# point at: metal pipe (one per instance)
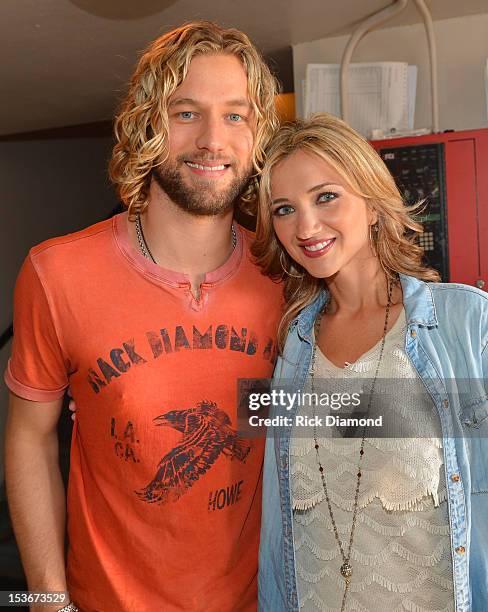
(368, 24)
(429, 30)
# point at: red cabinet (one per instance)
(456, 185)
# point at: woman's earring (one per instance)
(373, 238)
(285, 270)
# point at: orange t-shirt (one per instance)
(164, 494)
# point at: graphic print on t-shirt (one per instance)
(207, 434)
(157, 344)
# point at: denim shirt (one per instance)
(446, 339)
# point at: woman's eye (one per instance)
(327, 196)
(235, 117)
(186, 114)
(281, 211)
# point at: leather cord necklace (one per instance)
(145, 249)
(142, 240)
(346, 567)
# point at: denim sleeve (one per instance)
(484, 365)
(271, 563)
(478, 438)
(478, 562)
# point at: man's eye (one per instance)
(282, 211)
(186, 115)
(235, 117)
(327, 196)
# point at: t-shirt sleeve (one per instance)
(37, 369)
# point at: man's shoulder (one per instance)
(61, 261)
(254, 269)
(247, 237)
(82, 240)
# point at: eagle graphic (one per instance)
(207, 434)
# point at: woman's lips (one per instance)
(319, 248)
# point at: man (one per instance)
(150, 319)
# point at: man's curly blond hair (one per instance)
(141, 126)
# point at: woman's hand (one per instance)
(72, 405)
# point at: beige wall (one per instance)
(462, 49)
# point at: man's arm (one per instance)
(36, 493)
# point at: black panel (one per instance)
(419, 172)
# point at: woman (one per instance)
(368, 523)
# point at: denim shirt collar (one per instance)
(418, 302)
(417, 299)
(306, 318)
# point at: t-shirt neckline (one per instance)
(171, 277)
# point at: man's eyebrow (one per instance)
(242, 102)
(185, 101)
(238, 102)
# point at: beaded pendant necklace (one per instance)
(346, 567)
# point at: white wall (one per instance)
(49, 188)
(462, 49)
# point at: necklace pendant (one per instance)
(346, 572)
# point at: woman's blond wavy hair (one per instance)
(141, 125)
(363, 170)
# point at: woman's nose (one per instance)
(308, 224)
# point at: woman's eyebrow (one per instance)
(317, 187)
(311, 190)
(279, 201)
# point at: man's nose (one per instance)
(212, 135)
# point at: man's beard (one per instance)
(202, 198)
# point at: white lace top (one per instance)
(401, 554)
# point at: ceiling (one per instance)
(66, 62)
